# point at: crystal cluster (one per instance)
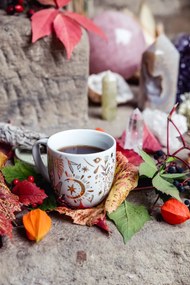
(183, 46)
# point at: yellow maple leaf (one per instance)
(125, 180)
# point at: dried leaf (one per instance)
(125, 180)
(87, 217)
(101, 223)
(2, 179)
(9, 203)
(6, 148)
(3, 159)
(37, 224)
(5, 226)
(29, 193)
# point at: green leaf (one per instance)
(147, 170)
(148, 159)
(129, 219)
(165, 187)
(20, 171)
(49, 203)
(170, 159)
(173, 175)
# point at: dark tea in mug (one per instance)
(80, 149)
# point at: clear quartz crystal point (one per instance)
(134, 131)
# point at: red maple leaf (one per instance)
(29, 193)
(65, 24)
(132, 156)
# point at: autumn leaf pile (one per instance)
(28, 195)
(37, 199)
(23, 194)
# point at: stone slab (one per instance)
(39, 87)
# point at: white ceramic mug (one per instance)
(79, 180)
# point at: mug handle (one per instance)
(38, 159)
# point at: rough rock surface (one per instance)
(39, 87)
(73, 254)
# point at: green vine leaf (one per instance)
(148, 159)
(165, 187)
(147, 170)
(173, 175)
(129, 219)
(170, 159)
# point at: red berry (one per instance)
(30, 13)
(10, 10)
(30, 179)
(19, 8)
(34, 205)
(16, 181)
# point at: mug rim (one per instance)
(84, 130)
